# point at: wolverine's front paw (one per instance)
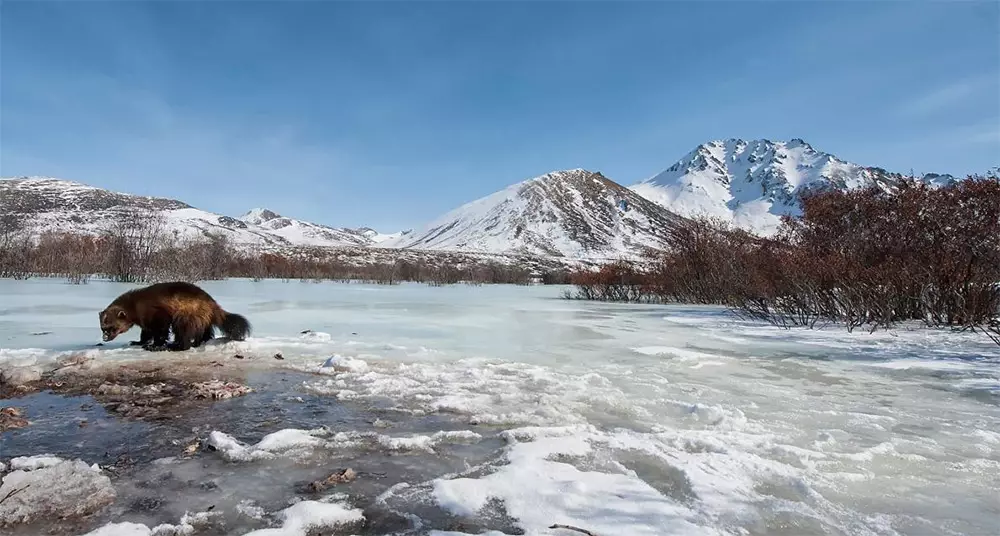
(137, 343)
(155, 347)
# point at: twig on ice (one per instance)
(14, 492)
(569, 527)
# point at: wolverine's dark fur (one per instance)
(184, 308)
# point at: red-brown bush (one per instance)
(138, 250)
(618, 281)
(867, 257)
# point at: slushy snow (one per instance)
(618, 419)
(299, 518)
(47, 487)
(292, 442)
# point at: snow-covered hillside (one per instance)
(66, 206)
(303, 233)
(377, 237)
(574, 213)
(753, 183)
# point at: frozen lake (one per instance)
(508, 409)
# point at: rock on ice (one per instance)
(341, 363)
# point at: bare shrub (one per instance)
(207, 257)
(15, 246)
(865, 257)
(76, 257)
(131, 244)
(918, 253)
(619, 281)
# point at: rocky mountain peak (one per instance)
(258, 216)
(570, 213)
(753, 183)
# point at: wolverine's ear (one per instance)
(121, 314)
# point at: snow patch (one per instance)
(283, 442)
(31, 463)
(121, 529)
(538, 492)
(62, 489)
(303, 516)
(339, 363)
(295, 443)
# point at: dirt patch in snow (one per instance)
(147, 390)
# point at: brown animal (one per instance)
(184, 308)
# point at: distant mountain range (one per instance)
(66, 206)
(572, 214)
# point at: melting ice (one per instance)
(507, 410)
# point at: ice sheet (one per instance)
(623, 419)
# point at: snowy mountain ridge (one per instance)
(56, 205)
(753, 183)
(573, 213)
(570, 214)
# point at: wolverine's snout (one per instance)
(109, 334)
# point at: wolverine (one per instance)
(190, 312)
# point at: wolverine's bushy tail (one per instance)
(235, 326)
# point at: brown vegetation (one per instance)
(138, 250)
(15, 245)
(619, 281)
(861, 258)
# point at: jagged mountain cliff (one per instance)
(574, 213)
(753, 183)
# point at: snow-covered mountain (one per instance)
(67, 206)
(377, 237)
(298, 232)
(753, 183)
(574, 213)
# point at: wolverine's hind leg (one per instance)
(153, 336)
(159, 341)
(206, 336)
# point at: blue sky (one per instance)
(388, 114)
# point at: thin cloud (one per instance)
(990, 135)
(135, 137)
(946, 97)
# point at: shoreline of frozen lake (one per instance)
(521, 410)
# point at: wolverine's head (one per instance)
(114, 322)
